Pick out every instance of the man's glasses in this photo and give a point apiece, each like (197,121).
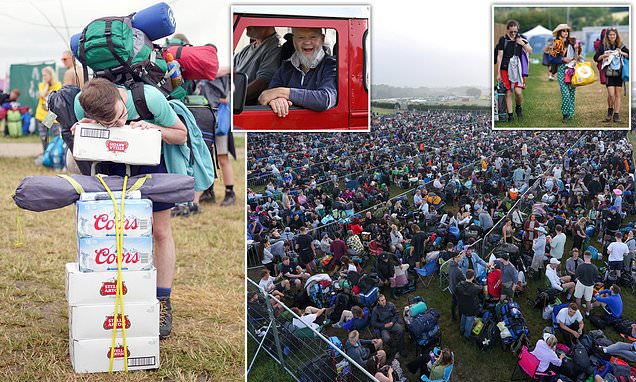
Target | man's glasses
(124,114)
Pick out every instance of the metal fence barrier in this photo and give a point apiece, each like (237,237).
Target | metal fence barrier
(304,353)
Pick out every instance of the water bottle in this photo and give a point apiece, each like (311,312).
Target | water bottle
(174,69)
(479,324)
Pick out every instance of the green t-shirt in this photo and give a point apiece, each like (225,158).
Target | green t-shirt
(156,101)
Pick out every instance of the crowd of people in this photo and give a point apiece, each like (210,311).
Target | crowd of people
(418,190)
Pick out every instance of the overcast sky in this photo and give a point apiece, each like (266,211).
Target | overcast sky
(414,43)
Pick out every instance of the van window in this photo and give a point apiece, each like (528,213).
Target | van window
(244,56)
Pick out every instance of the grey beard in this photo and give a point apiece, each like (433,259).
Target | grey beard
(310,62)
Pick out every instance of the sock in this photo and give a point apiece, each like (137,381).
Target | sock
(229,189)
(163,292)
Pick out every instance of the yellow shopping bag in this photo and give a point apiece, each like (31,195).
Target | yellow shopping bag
(583,74)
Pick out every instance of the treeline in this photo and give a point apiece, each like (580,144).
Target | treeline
(423,107)
(579,17)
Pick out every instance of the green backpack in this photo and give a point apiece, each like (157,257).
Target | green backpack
(124,55)
(14,125)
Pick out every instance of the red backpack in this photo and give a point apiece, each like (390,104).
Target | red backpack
(197,62)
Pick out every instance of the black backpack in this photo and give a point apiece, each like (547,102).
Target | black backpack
(581,358)
(344,301)
(488,336)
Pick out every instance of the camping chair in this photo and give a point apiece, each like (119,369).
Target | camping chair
(555,310)
(427,271)
(444,281)
(447,373)
(528,364)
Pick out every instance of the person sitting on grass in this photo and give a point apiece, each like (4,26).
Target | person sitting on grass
(267,285)
(292,272)
(354,319)
(561,283)
(570,322)
(386,318)
(366,353)
(308,317)
(611,301)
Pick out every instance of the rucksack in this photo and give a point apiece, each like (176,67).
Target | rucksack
(423,325)
(510,314)
(54,153)
(343,302)
(581,358)
(115,50)
(488,336)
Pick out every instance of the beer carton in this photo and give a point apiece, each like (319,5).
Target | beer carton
(96,218)
(93,355)
(100,254)
(100,287)
(97,321)
(124,144)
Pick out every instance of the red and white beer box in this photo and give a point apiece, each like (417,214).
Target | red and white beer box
(96,218)
(86,288)
(124,144)
(100,254)
(97,321)
(93,355)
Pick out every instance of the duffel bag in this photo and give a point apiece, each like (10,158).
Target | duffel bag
(197,62)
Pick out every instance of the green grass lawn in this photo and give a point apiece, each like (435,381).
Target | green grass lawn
(381,110)
(542,104)
(32,138)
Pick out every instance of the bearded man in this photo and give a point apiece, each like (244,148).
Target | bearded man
(307,79)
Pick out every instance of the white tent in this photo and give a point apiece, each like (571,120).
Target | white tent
(537,31)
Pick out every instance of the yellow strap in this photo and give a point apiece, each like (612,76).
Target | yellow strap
(140,182)
(119,298)
(19,239)
(78,187)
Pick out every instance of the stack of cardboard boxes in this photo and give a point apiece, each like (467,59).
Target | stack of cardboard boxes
(91,285)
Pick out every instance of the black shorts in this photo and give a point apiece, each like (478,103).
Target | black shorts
(614,81)
(615,265)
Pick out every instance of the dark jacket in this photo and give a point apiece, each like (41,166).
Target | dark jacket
(315,90)
(468,298)
(358,323)
(360,353)
(384,314)
(455,275)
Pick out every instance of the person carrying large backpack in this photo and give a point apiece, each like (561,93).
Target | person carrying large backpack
(510,48)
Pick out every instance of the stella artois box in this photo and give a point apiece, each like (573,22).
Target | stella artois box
(100,254)
(93,355)
(97,321)
(96,218)
(89,288)
(124,144)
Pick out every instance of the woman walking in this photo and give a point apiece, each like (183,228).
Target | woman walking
(565,53)
(611,53)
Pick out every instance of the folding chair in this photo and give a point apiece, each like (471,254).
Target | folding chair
(444,281)
(528,364)
(427,271)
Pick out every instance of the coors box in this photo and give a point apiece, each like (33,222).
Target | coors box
(97,321)
(100,254)
(100,287)
(96,218)
(93,355)
(124,144)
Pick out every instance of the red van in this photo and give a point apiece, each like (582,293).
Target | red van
(349,27)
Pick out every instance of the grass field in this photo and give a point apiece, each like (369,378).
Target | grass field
(471,364)
(207,342)
(32,138)
(381,110)
(542,104)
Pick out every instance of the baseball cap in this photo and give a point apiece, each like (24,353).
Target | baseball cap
(554,261)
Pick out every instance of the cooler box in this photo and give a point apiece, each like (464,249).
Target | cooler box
(93,356)
(96,143)
(100,287)
(96,218)
(97,322)
(100,254)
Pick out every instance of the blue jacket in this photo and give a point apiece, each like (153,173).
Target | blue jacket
(316,90)
(477,262)
(358,323)
(614,302)
(196,162)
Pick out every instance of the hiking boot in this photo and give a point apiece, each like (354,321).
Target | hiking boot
(610,112)
(208,196)
(165,317)
(229,200)
(617,118)
(511,118)
(519,113)
(194,209)
(180,210)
